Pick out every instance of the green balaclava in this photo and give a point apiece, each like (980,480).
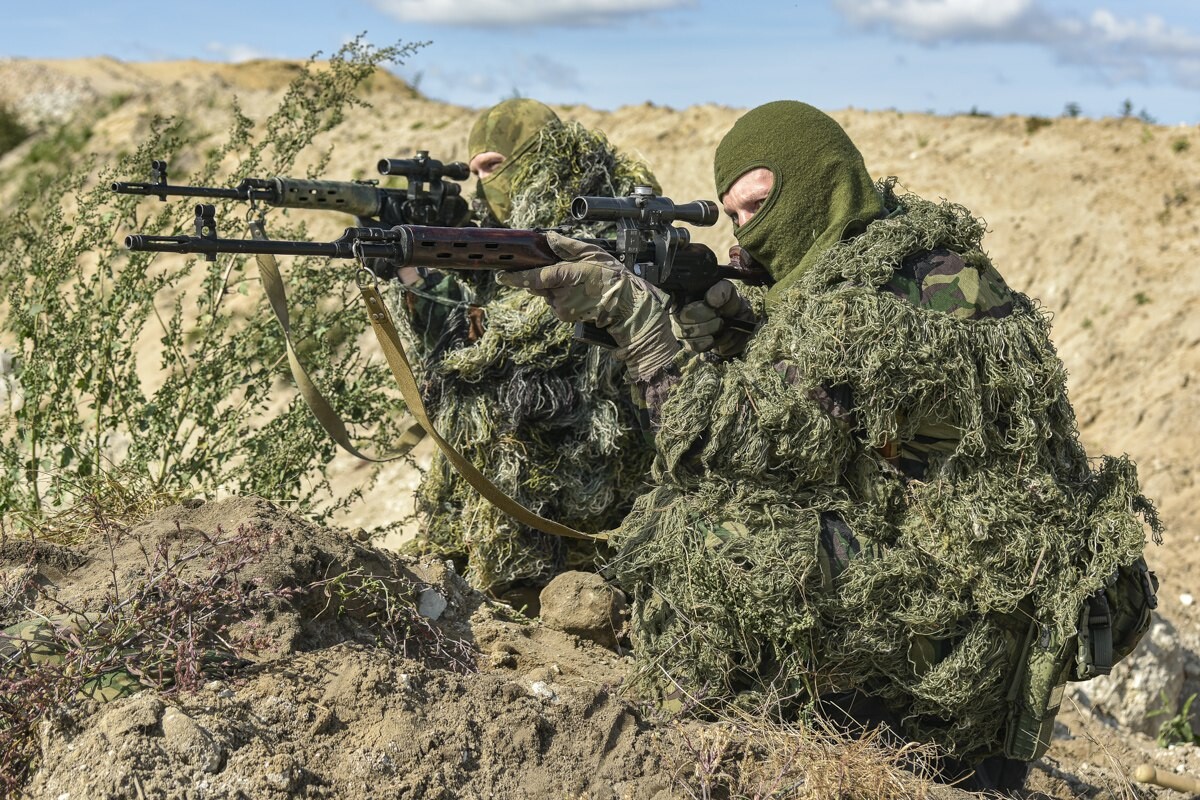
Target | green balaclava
(508,128)
(822,192)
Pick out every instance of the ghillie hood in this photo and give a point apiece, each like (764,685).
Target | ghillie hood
(564,161)
(510,129)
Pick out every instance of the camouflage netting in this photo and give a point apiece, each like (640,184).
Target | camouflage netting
(734,597)
(548,419)
(568,160)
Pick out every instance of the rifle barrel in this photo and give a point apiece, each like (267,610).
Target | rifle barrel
(445,248)
(340,248)
(163,189)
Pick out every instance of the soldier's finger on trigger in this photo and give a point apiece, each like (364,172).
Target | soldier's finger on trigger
(734,306)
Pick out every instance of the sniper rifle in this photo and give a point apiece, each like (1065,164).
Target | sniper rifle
(647,244)
(428,199)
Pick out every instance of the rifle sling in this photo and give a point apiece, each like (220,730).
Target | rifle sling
(268,270)
(393,350)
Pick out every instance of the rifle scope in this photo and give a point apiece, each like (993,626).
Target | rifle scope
(424,167)
(644,208)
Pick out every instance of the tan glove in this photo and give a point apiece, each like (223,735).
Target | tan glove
(703,325)
(589,285)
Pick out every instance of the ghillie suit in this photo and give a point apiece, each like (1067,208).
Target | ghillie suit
(548,419)
(789,552)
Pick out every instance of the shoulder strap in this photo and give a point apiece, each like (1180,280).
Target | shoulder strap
(393,350)
(268,270)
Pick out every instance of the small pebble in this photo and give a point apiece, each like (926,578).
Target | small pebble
(1186,599)
(541,691)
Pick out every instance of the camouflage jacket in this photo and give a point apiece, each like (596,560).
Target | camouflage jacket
(938,280)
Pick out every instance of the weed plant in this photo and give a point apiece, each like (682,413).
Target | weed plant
(76,309)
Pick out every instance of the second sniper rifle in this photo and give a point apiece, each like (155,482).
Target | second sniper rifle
(428,199)
(647,244)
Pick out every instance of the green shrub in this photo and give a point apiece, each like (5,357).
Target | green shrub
(74,306)
(12,132)
(1035,124)
(1177,727)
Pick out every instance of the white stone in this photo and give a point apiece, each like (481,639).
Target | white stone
(431,604)
(542,691)
(1142,683)
(1186,599)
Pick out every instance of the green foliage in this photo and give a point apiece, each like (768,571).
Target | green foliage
(1177,727)
(1072,110)
(1180,145)
(213,415)
(391,610)
(12,132)
(1035,124)
(1141,298)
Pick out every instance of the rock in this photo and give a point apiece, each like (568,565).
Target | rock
(282,773)
(542,691)
(583,604)
(431,604)
(1146,681)
(183,735)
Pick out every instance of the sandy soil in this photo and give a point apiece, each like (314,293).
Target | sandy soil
(1097,218)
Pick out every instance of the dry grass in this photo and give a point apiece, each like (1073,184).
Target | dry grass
(113,501)
(747,756)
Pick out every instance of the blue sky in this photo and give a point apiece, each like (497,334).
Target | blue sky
(945,56)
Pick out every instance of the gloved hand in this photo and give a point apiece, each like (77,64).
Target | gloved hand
(589,285)
(703,325)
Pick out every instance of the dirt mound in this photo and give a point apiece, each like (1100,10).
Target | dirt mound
(337,699)
(467,698)
(348,721)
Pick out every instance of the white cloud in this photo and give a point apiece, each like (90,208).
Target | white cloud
(1152,35)
(933,20)
(1117,49)
(480,13)
(235,52)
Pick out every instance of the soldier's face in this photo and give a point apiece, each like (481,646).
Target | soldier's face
(485,164)
(747,194)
